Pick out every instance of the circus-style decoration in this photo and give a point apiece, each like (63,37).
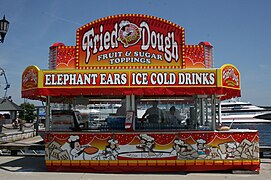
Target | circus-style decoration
(132,96)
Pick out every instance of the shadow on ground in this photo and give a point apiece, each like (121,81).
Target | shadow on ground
(25,164)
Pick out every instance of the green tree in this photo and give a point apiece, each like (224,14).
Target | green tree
(28,113)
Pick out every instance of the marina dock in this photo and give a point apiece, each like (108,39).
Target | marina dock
(15,140)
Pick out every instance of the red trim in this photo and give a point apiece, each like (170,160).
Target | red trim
(166,168)
(158,91)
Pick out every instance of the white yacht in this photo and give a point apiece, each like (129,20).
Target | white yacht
(244,112)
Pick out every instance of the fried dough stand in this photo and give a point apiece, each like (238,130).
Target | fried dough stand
(133,61)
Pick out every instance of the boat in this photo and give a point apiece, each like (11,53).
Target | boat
(244,112)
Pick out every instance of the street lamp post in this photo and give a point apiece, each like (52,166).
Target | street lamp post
(4,24)
(3,28)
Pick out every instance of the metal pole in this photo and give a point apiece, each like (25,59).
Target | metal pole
(196,113)
(207,112)
(213,112)
(128,103)
(219,112)
(133,103)
(133,109)
(202,120)
(47,120)
(37,122)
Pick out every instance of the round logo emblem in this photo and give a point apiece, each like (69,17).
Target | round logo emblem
(129,33)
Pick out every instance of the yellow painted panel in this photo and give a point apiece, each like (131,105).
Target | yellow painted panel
(171,162)
(65,162)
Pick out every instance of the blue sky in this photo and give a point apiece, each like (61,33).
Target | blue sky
(239,30)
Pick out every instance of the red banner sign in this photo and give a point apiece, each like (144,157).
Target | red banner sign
(130,40)
(128,78)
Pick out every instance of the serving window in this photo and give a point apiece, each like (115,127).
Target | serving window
(130,113)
